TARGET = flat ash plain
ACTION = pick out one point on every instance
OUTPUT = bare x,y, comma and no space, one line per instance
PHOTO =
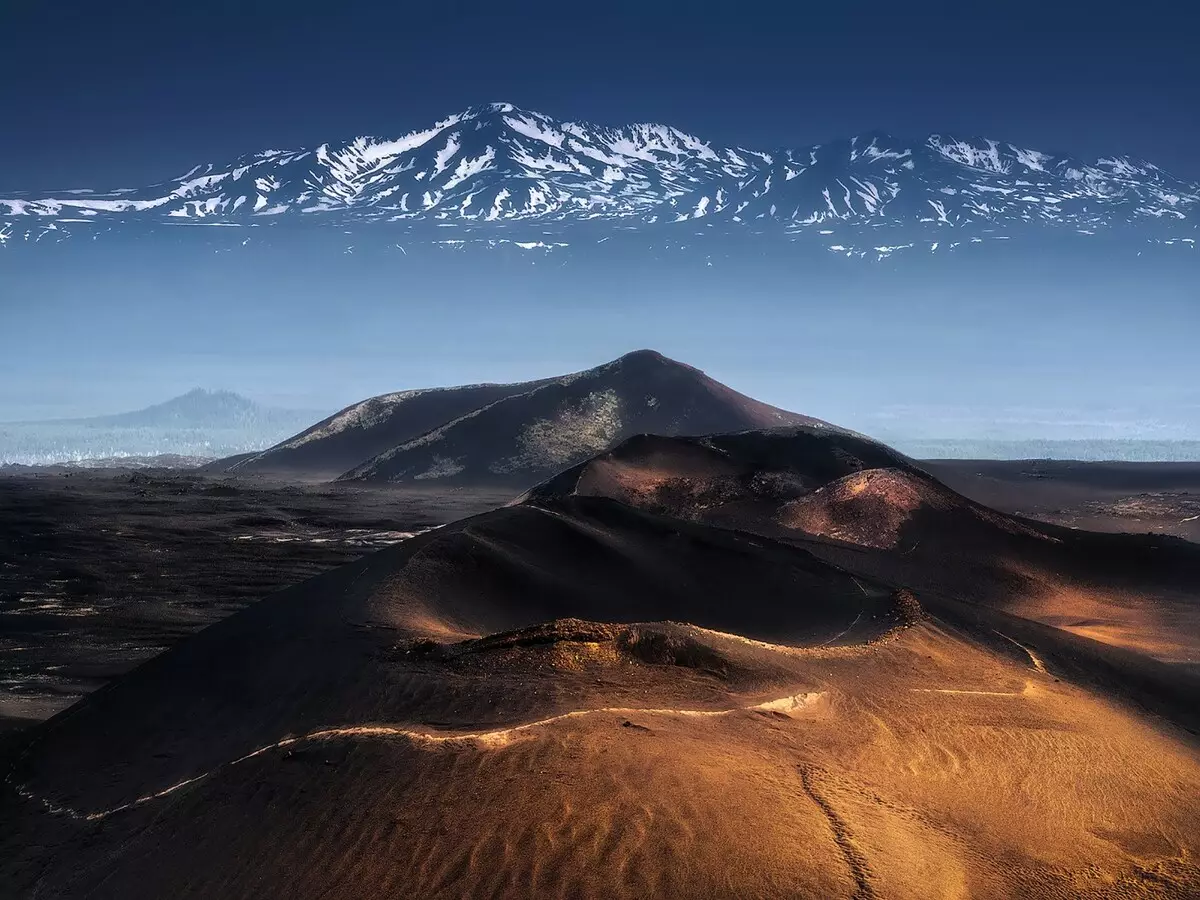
102,569
1133,497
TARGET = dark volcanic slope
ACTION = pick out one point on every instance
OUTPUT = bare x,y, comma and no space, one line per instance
876,513
531,435
411,726
366,429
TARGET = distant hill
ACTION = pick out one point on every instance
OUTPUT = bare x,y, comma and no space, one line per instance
516,434
199,408
198,424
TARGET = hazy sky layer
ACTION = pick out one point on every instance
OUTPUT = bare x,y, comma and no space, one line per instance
951,349
123,92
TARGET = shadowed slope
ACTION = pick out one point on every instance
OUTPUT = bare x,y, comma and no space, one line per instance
594,559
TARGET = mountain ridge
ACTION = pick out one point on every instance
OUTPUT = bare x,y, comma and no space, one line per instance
499,174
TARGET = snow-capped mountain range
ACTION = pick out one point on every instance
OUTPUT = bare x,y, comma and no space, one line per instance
501,173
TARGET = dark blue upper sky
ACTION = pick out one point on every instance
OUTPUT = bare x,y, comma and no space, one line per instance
101,94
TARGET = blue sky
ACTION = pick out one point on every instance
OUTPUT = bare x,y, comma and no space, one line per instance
115,92
126,93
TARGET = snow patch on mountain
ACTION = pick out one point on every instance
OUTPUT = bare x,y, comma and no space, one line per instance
987,158
577,431
442,467
361,415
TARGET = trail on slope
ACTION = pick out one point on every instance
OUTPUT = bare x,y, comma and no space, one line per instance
860,870
491,740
